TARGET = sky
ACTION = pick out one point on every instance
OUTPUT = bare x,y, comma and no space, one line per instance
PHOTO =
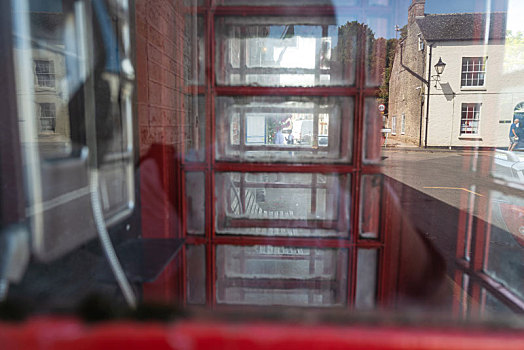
514,9
461,6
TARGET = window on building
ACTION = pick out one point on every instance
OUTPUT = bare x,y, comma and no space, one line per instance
393,125
473,71
47,117
45,73
469,121
403,124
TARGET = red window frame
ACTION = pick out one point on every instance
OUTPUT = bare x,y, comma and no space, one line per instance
472,252
359,92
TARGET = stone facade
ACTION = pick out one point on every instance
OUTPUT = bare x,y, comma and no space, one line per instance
452,38
405,90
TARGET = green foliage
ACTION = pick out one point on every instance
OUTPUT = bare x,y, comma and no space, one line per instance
514,38
383,94
403,32
347,39
514,52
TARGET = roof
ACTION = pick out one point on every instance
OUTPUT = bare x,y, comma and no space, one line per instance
462,26
47,25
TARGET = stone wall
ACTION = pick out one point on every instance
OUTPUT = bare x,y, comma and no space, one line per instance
405,89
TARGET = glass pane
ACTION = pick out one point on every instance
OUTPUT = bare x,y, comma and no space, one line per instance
270,275
494,306
377,50
44,105
506,244
287,2
373,122
291,129
366,287
196,274
370,205
282,204
195,197
74,88
195,129
194,2
194,55
278,51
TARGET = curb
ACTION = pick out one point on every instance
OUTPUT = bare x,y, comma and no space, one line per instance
432,150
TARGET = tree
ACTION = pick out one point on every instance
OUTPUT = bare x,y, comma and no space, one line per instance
383,94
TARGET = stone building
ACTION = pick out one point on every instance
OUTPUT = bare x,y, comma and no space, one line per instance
50,124
472,103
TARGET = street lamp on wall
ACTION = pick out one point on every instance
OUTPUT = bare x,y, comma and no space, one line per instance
439,68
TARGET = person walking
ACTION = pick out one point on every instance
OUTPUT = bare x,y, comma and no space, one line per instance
279,137
513,137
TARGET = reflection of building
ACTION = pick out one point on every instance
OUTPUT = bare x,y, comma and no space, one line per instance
472,102
51,116
50,99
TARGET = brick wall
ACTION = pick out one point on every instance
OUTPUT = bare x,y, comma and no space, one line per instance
160,99
159,48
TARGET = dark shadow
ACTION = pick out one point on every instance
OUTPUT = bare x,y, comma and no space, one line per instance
448,91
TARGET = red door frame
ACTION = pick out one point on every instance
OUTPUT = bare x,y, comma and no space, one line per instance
359,92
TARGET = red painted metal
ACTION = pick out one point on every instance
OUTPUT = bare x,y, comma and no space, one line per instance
286,91
281,185
502,293
359,91
66,334
283,223
316,242
284,168
290,11
391,225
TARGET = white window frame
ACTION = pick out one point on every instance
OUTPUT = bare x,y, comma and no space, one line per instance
393,125
45,78
50,116
403,124
473,72
473,121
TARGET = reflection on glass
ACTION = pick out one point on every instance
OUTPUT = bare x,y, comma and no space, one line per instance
195,130
287,2
196,274
505,256
508,165
194,55
270,275
366,287
194,2
282,204
292,129
492,305
373,122
375,52
370,206
47,91
195,199
285,51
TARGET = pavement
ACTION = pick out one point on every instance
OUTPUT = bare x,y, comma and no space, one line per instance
448,176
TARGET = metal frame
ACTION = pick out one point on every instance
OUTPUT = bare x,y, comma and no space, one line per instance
355,169
473,236
12,207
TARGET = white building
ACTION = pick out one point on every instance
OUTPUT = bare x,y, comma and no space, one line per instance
472,103
48,122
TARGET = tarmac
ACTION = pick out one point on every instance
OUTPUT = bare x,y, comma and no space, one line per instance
397,145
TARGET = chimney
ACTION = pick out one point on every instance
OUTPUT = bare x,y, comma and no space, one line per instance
416,9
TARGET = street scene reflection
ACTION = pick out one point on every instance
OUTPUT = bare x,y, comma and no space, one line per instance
364,158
